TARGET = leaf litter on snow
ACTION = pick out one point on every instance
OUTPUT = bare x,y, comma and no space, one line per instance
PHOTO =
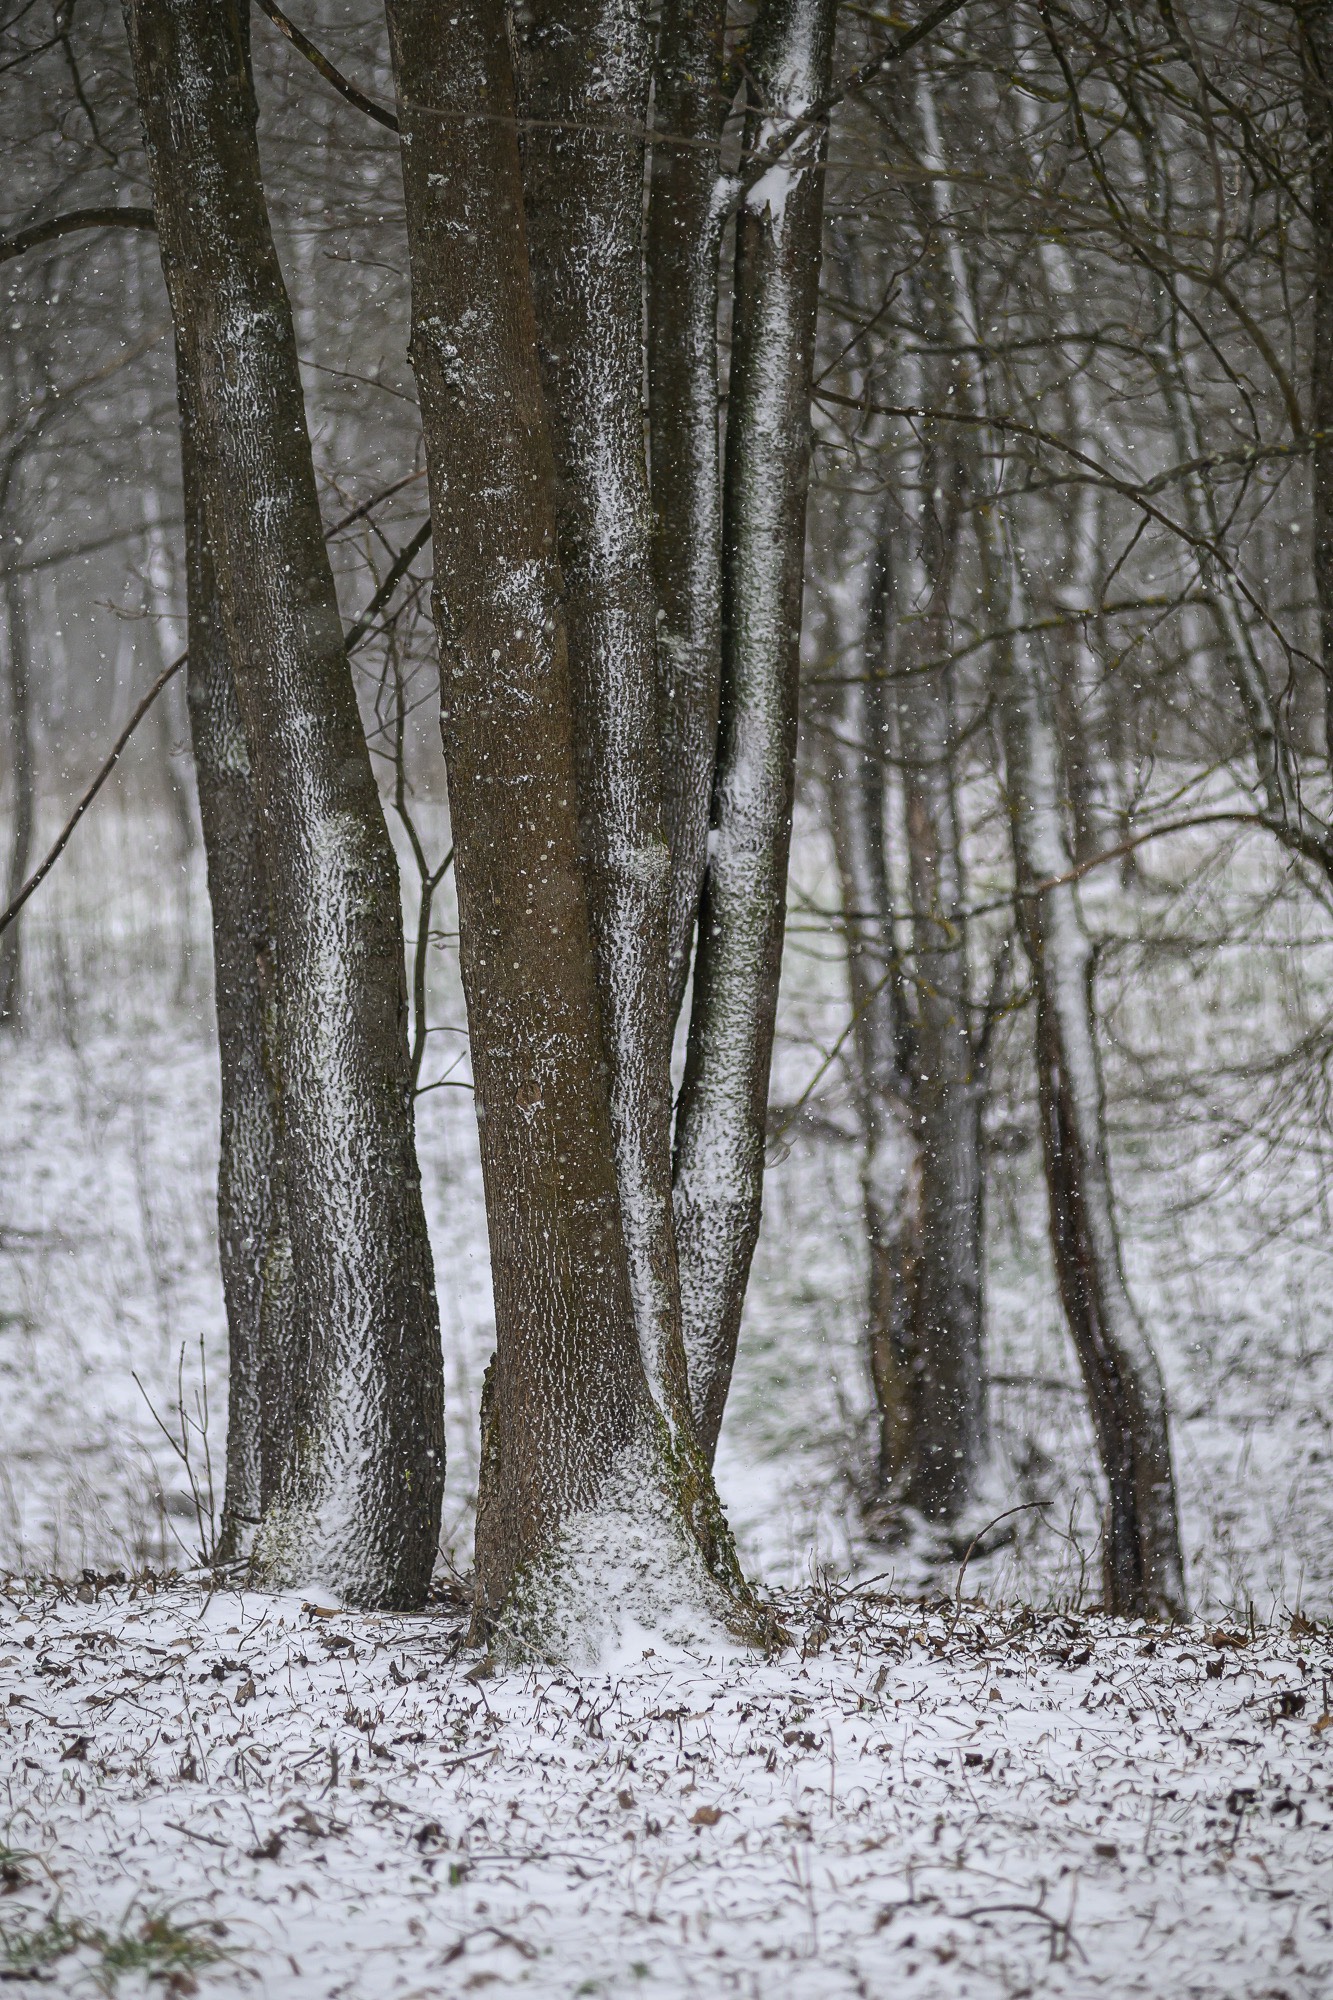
227,1792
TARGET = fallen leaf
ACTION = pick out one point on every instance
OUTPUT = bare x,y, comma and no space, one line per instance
706,1816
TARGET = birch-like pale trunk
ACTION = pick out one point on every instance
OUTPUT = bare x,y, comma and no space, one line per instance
582,74
357,1504
720,1125
948,1372
253,1242
853,743
685,222
23,779
590,1510
1142,1563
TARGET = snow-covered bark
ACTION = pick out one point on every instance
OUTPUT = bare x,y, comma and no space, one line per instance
721,1118
356,1506
253,1245
948,1384
685,219
1142,1561
18,724
582,75
593,1517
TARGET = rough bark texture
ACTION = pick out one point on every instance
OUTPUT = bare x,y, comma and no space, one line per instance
587,1511
947,1349
253,1245
685,220
721,1119
582,78
23,779
358,1506
1316,26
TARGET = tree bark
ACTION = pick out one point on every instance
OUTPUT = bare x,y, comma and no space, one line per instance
685,224
589,1511
357,1506
720,1127
23,768
253,1241
948,1432
582,74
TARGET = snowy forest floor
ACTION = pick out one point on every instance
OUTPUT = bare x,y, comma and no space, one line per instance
242,1794
906,1807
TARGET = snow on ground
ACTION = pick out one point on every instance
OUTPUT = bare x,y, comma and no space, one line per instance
247,1794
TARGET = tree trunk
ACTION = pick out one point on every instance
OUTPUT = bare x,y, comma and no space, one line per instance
357,1506
1144,1570
253,1243
589,1515
948,1390
1142,1564
24,797
853,760
685,220
720,1127
583,69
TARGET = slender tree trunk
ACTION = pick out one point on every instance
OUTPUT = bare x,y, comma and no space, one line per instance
853,761
253,1243
684,239
357,1508
589,1513
947,1348
583,72
1144,1570
23,769
720,1127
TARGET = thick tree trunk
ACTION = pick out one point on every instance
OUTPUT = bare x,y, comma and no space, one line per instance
1316,26
685,220
720,1127
253,1244
948,1361
357,1509
590,1516
582,74
1144,1570
23,775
